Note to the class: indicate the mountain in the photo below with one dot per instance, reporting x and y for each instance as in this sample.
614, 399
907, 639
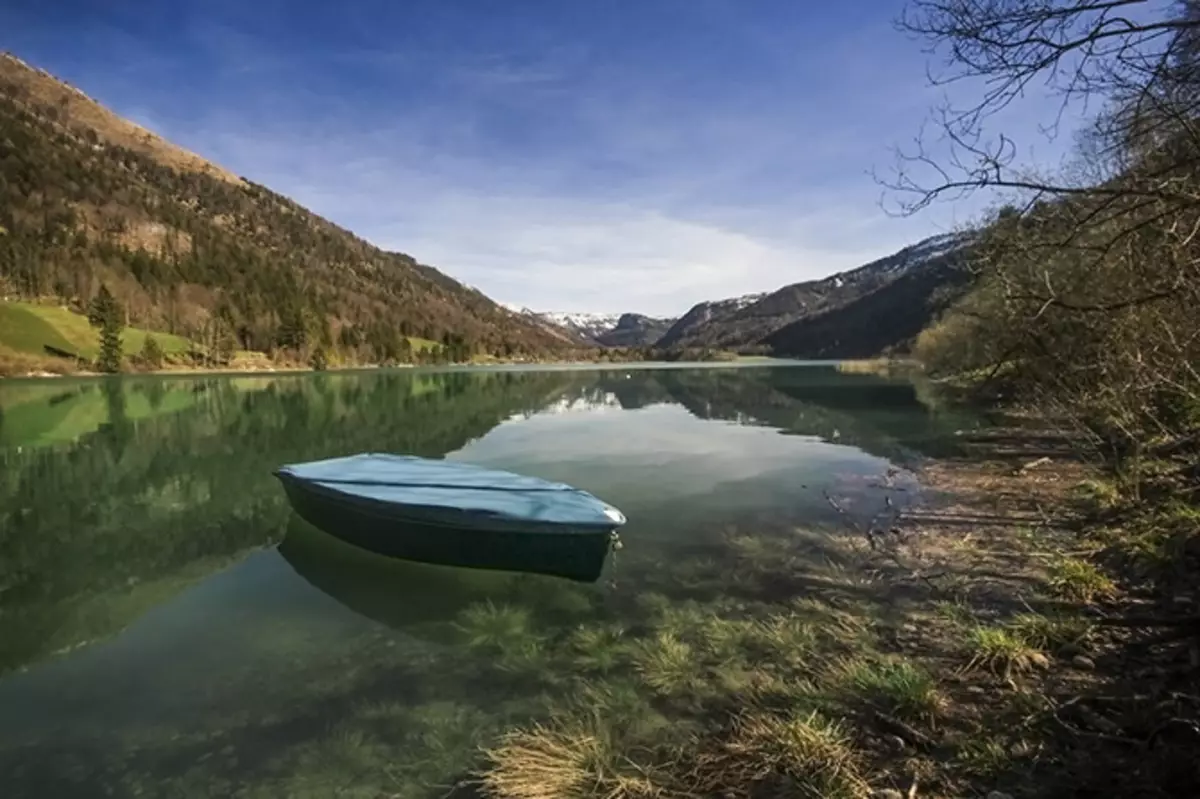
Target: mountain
884, 320
863, 311
88, 198
609, 330
635, 330
703, 317
587, 325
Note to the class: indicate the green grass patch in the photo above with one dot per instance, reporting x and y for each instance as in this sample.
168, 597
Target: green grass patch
984, 757
954, 612
421, 344
23, 329
1098, 495
598, 648
1001, 651
1080, 581
30, 328
895, 686
1052, 632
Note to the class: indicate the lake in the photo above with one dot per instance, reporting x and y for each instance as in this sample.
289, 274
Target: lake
169, 628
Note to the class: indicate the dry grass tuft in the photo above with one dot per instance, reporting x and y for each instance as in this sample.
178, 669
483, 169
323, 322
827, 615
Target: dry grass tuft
572, 758
807, 756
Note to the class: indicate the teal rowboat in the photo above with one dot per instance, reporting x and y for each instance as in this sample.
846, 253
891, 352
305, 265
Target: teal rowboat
454, 514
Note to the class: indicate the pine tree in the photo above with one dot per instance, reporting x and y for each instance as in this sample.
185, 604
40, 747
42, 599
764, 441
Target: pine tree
102, 306
106, 313
152, 354
110, 344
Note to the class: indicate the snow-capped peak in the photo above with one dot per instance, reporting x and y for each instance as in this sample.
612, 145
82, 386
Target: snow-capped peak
581, 320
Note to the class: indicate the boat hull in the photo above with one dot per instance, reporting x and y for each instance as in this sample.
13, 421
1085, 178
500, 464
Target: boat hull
574, 554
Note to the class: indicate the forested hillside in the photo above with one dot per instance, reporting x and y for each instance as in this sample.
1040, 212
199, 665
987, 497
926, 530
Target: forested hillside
88, 198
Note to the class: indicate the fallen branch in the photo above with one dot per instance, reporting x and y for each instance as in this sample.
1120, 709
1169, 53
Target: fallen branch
910, 734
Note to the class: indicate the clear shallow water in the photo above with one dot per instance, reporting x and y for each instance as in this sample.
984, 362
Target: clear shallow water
169, 628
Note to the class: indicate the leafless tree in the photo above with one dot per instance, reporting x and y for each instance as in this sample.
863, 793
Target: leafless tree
1089, 286
1127, 56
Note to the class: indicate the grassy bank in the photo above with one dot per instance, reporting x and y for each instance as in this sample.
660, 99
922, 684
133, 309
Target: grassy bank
36, 330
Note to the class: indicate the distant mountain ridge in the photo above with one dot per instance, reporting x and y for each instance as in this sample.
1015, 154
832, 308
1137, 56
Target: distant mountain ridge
606, 329
857, 313
862, 312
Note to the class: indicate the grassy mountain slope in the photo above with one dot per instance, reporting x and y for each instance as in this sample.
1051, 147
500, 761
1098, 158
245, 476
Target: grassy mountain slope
39, 329
87, 197
859, 313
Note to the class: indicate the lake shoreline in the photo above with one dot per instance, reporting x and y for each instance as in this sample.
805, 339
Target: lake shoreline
174, 371
981, 664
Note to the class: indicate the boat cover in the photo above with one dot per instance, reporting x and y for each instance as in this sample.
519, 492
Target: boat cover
422, 483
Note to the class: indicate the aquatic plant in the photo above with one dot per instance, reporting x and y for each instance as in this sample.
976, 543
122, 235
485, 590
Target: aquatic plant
805, 755
624, 705
598, 647
571, 757
686, 620
523, 655
485, 625
669, 665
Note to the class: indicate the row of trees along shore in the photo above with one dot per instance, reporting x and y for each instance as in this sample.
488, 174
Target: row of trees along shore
215, 343
1086, 296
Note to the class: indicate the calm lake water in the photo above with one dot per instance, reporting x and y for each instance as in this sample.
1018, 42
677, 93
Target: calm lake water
169, 628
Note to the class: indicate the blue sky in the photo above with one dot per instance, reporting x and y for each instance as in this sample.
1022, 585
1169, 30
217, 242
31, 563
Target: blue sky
558, 154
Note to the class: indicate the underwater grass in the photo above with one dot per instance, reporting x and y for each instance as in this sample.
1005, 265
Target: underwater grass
572, 757
668, 665
785, 638
805, 755
598, 648
487, 626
